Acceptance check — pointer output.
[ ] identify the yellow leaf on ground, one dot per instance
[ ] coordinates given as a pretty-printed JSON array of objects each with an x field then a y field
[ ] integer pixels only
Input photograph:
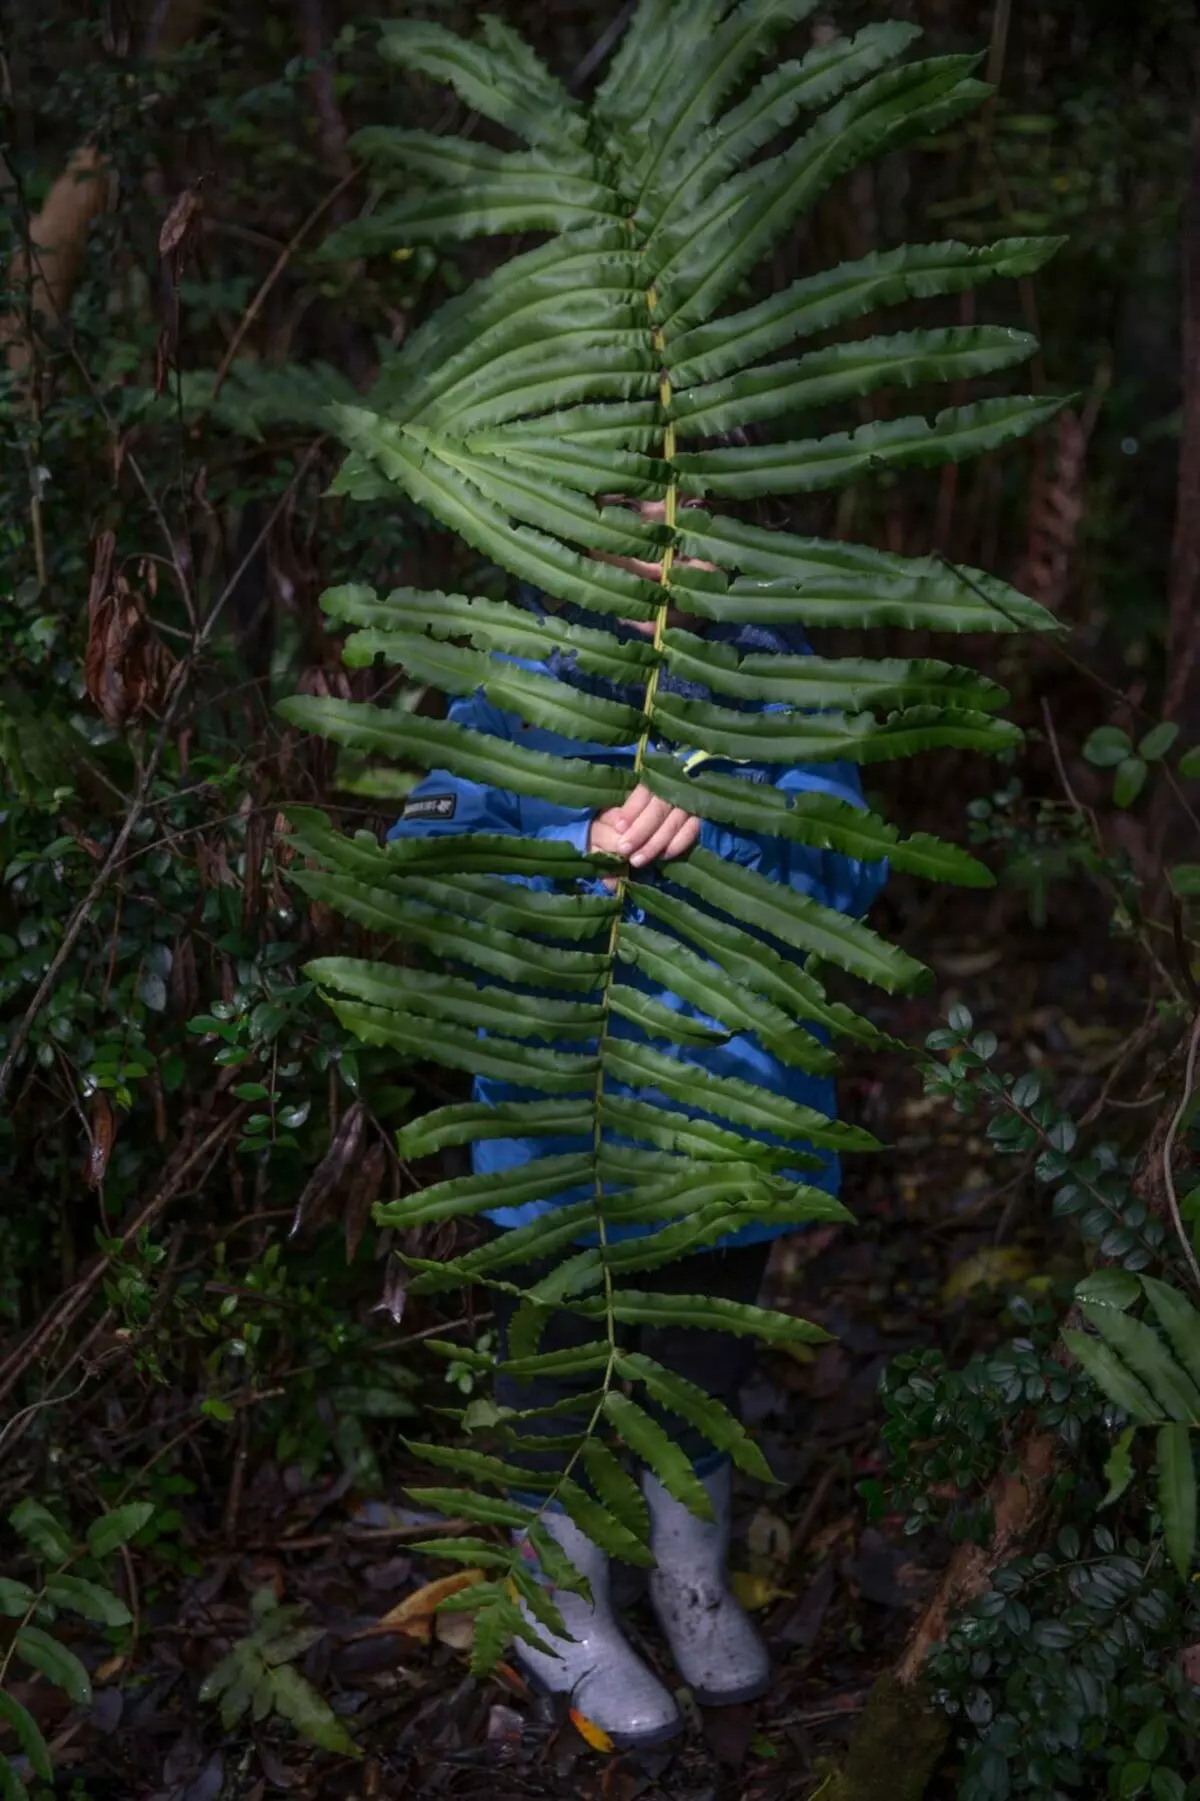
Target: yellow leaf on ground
[
  {"x": 590, "y": 1733},
  {"x": 991, "y": 1268},
  {"x": 757, "y": 1591},
  {"x": 414, "y": 1615}
]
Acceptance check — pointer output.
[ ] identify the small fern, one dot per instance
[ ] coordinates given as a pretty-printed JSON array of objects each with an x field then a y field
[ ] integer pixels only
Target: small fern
[{"x": 603, "y": 363}]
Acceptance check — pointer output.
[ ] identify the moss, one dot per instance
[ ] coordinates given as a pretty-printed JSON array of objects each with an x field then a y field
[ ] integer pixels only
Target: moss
[{"x": 895, "y": 1750}]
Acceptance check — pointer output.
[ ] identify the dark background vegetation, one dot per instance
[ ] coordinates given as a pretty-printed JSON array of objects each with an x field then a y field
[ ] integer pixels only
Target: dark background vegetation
[{"x": 196, "y": 1312}]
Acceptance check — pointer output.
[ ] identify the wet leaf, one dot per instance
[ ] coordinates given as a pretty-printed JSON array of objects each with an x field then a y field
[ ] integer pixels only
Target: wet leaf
[
  {"x": 755, "y": 1591},
  {"x": 589, "y": 1732},
  {"x": 414, "y": 1615},
  {"x": 994, "y": 1267}
]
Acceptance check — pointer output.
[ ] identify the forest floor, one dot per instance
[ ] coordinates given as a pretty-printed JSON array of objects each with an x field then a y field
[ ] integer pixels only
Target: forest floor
[{"x": 942, "y": 1229}]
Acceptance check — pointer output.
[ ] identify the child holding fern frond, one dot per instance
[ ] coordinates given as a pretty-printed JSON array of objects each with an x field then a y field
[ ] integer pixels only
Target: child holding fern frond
[{"x": 715, "y": 1648}]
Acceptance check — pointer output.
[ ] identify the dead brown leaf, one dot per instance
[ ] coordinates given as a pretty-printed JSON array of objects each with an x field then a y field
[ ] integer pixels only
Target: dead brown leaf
[
  {"x": 104, "y": 1132},
  {"x": 413, "y": 1617},
  {"x": 364, "y": 1192},
  {"x": 180, "y": 222},
  {"x": 313, "y": 1207},
  {"x": 126, "y": 667}
]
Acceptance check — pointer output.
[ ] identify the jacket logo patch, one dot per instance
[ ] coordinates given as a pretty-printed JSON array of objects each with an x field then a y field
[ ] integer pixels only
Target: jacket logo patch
[{"x": 431, "y": 806}]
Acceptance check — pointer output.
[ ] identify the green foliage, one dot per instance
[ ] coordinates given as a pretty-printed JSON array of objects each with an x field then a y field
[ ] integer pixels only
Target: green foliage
[
  {"x": 37, "y": 1606},
  {"x": 1063, "y": 1674},
  {"x": 593, "y": 366},
  {"x": 258, "y": 1677}
]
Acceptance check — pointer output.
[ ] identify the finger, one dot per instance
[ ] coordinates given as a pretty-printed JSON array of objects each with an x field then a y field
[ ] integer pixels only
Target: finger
[
  {"x": 628, "y": 811},
  {"x": 628, "y": 819},
  {"x": 658, "y": 841},
  {"x": 603, "y": 837},
  {"x": 683, "y": 840},
  {"x": 649, "y": 572},
  {"x": 648, "y": 822}
]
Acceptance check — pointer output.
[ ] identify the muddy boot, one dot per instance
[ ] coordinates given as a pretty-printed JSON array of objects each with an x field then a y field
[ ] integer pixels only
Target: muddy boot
[
  {"x": 716, "y": 1649},
  {"x": 607, "y": 1682}
]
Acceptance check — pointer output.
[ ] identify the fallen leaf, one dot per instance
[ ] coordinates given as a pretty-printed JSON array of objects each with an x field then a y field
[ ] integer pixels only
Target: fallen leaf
[
  {"x": 455, "y": 1630},
  {"x": 993, "y": 1267},
  {"x": 803, "y": 1621},
  {"x": 589, "y": 1732},
  {"x": 754, "y": 1591},
  {"x": 507, "y": 1676},
  {"x": 414, "y": 1615},
  {"x": 769, "y": 1537},
  {"x": 728, "y": 1731},
  {"x": 505, "y": 1730}
]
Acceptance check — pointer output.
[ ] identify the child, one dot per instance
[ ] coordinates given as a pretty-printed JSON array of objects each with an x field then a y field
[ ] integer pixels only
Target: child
[{"x": 714, "y": 1646}]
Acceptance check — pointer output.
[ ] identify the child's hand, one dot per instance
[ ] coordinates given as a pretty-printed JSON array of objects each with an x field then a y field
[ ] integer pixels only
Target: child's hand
[{"x": 644, "y": 829}]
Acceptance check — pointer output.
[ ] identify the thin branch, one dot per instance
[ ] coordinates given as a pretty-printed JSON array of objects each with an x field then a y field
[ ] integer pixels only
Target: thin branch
[
  {"x": 1107, "y": 888},
  {"x": 602, "y": 46},
  {"x": 67, "y": 1308},
  {"x": 180, "y": 680},
  {"x": 276, "y": 270},
  {"x": 1189, "y": 1088}
]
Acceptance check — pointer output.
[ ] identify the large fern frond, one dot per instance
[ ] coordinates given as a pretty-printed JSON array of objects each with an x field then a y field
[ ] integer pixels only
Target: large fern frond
[{"x": 598, "y": 364}]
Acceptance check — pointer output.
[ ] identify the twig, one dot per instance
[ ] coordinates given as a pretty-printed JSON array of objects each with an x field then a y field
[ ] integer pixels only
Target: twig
[
  {"x": 1089, "y": 818},
  {"x": 808, "y": 1518},
  {"x": 1093, "y": 676},
  {"x": 20, "y": 1420},
  {"x": 237, "y": 1479},
  {"x": 180, "y": 678},
  {"x": 601, "y": 47},
  {"x": 1189, "y": 1085},
  {"x": 67, "y": 1308},
  {"x": 1132, "y": 1048},
  {"x": 276, "y": 270},
  {"x": 133, "y": 1602}
]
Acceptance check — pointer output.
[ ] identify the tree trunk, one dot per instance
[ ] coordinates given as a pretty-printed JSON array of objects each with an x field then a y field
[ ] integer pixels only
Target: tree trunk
[{"x": 900, "y": 1739}]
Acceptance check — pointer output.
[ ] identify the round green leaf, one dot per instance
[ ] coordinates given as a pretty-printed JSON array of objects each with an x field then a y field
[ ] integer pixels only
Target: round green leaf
[
  {"x": 1158, "y": 741},
  {"x": 1151, "y": 1741},
  {"x": 1129, "y": 781},
  {"x": 1109, "y": 1288},
  {"x": 1107, "y": 746}
]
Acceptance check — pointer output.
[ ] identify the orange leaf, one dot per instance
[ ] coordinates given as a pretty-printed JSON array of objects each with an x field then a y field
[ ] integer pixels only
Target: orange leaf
[
  {"x": 589, "y": 1732},
  {"x": 414, "y": 1615}
]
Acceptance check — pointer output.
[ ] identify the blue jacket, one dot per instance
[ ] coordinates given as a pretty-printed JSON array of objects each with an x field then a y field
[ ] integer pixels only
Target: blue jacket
[{"x": 443, "y": 803}]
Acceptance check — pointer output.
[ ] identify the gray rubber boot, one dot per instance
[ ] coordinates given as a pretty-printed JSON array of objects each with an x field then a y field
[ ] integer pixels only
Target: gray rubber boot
[
  {"x": 716, "y": 1649},
  {"x": 607, "y": 1681}
]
